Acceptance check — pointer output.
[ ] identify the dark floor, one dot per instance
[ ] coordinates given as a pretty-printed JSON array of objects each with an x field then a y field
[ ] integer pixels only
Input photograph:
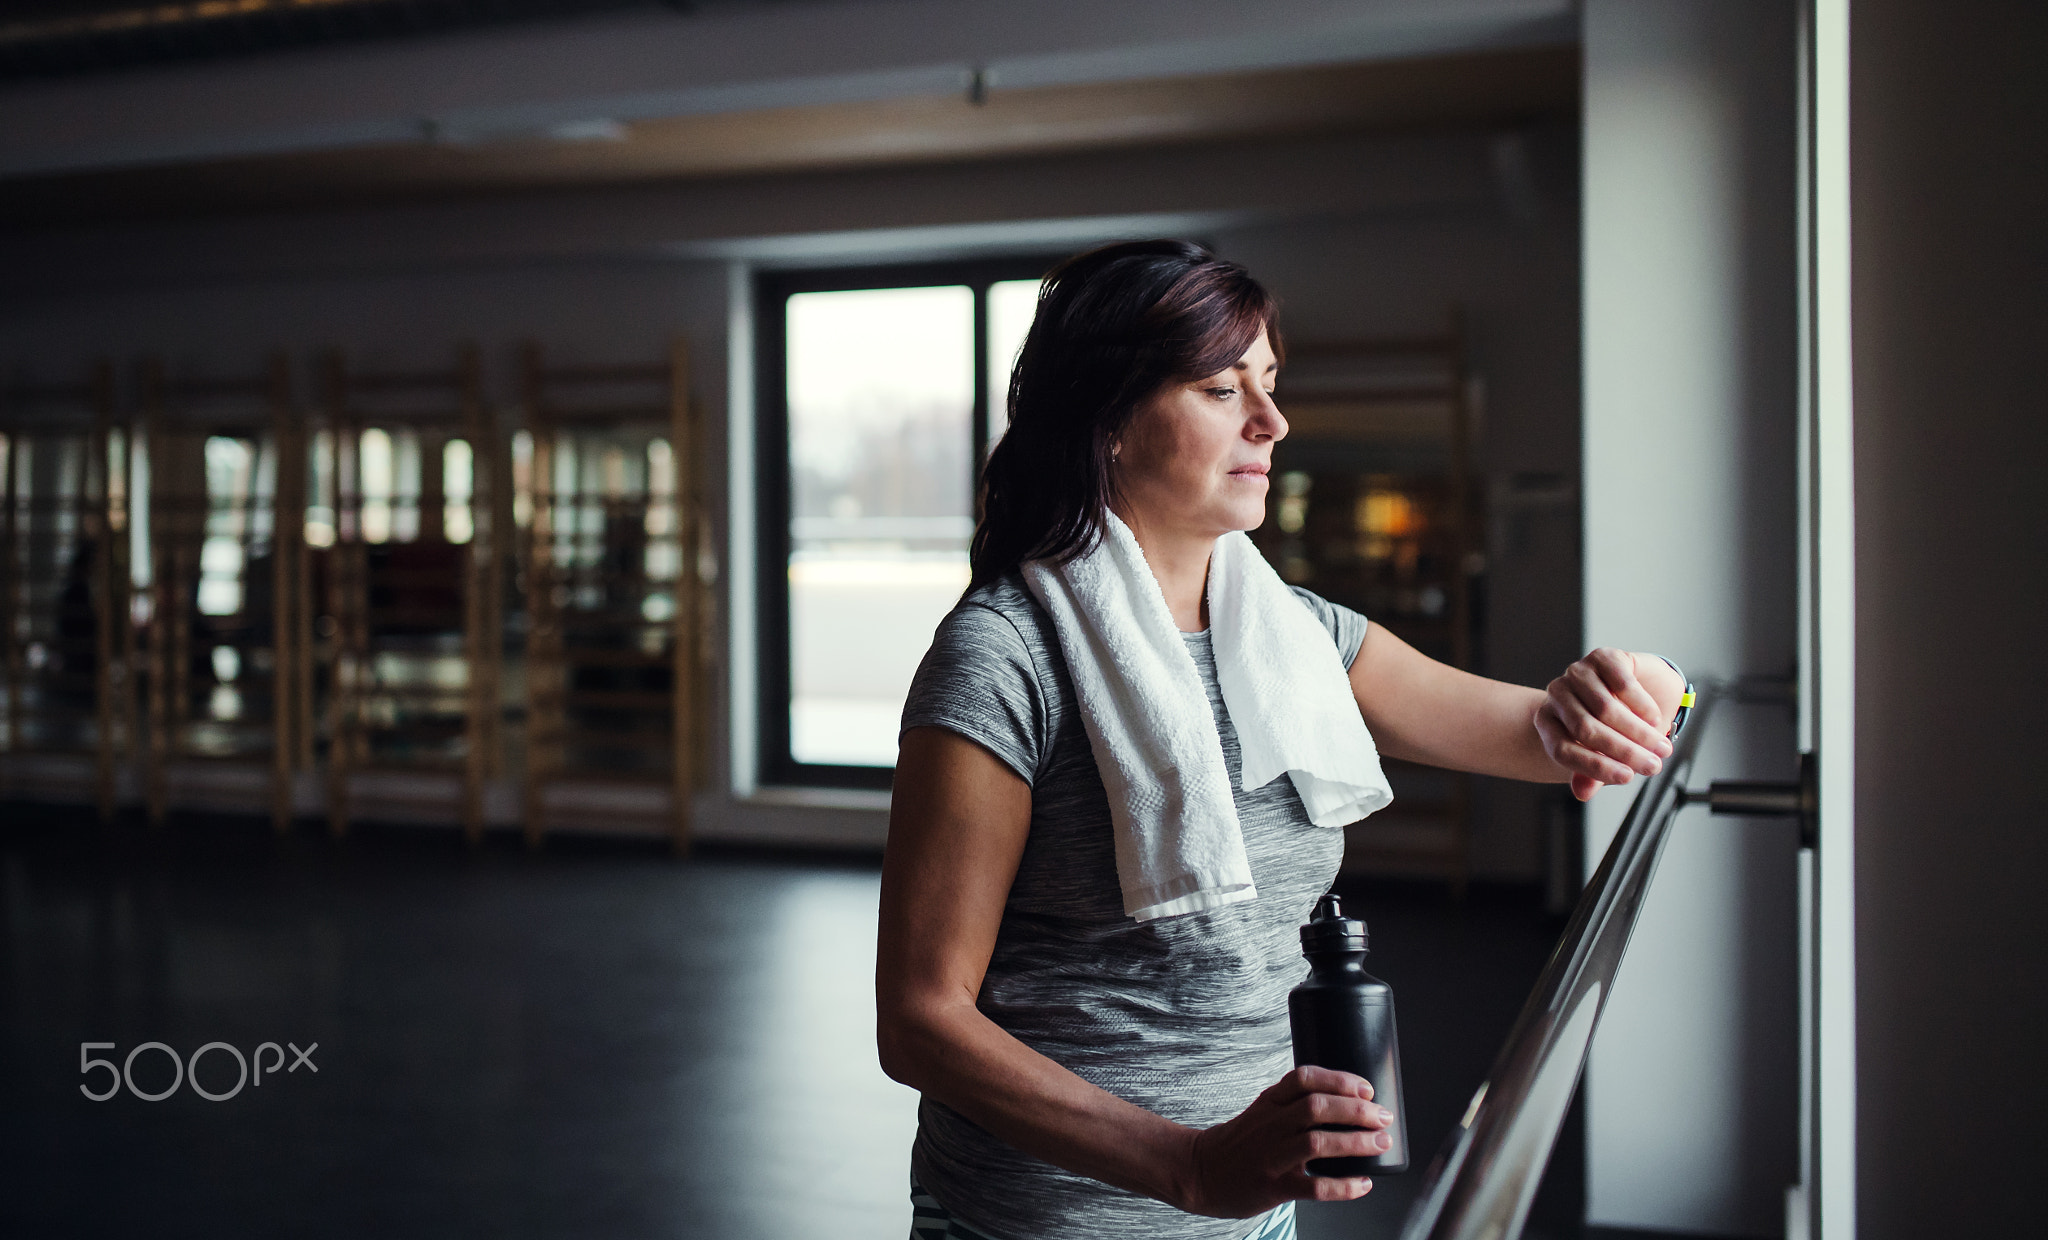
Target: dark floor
[{"x": 590, "y": 1041}]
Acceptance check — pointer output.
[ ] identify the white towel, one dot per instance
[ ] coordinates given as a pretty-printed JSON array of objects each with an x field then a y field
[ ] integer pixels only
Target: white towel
[{"x": 1179, "y": 848}]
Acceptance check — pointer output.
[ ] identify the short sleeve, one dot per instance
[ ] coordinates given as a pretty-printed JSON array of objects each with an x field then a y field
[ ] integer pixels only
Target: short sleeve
[
  {"x": 978, "y": 680},
  {"x": 1347, "y": 627}
]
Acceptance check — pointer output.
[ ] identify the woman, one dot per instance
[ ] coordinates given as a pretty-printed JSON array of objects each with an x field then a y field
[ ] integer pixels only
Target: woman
[{"x": 1090, "y": 1067}]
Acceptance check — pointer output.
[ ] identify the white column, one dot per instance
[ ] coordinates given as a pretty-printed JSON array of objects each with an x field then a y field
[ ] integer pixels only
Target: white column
[
  {"x": 1831, "y": 1203},
  {"x": 1691, "y": 550}
]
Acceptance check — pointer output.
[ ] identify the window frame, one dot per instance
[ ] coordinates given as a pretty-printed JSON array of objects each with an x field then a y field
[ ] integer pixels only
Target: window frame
[{"x": 776, "y": 766}]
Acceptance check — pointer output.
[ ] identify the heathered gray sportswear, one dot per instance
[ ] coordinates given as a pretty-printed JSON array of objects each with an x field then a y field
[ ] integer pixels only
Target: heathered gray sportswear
[{"x": 1185, "y": 1016}]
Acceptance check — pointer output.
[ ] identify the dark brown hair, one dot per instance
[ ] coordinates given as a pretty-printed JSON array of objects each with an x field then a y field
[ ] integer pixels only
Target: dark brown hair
[{"x": 1114, "y": 326}]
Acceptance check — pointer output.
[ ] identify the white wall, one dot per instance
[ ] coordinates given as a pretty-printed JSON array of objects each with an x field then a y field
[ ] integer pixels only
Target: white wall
[
  {"x": 1690, "y": 418},
  {"x": 1356, "y": 234}
]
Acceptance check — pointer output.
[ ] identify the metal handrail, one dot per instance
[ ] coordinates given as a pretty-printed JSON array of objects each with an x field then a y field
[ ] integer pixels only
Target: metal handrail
[{"x": 1482, "y": 1183}]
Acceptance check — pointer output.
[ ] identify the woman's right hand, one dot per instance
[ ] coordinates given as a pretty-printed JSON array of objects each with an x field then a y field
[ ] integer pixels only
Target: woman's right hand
[{"x": 1250, "y": 1164}]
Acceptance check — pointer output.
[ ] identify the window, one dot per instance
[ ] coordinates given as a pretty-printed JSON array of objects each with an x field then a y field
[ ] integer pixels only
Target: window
[{"x": 880, "y": 391}]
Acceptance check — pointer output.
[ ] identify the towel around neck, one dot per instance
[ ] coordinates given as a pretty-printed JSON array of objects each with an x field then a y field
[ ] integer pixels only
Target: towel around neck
[{"x": 1179, "y": 848}]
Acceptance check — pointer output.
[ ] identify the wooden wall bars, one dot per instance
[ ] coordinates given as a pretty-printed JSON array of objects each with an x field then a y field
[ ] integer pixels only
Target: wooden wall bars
[
  {"x": 616, "y": 606},
  {"x": 376, "y": 592},
  {"x": 409, "y": 573},
  {"x": 65, "y": 641},
  {"x": 227, "y": 680}
]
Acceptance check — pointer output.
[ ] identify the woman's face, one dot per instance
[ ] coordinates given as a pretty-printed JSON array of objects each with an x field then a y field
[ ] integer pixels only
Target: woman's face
[{"x": 1194, "y": 459}]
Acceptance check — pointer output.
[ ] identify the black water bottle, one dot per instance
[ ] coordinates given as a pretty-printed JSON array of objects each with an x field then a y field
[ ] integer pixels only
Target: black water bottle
[{"x": 1343, "y": 1018}]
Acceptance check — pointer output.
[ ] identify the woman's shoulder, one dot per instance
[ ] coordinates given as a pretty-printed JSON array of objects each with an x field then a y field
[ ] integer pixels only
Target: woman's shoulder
[
  {"x": 1005, "y": 593},
  {"x": 996, "y": 608},
  {"x": 996, "y": 625},
  {"x": 986, "y": 676},
  {"x": 1346, "y": 627}
]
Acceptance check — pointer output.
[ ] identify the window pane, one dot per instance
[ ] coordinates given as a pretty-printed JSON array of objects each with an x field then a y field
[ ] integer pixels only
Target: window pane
[
  {"x": 1011, "y": 303},
  {"x": 881, "y": 397},
  {"x": 375, "y": 448},
  {"x": 458, "y": 488},
  {"x": 230, "y": 478},
  {"x": 405, "y": 485}
]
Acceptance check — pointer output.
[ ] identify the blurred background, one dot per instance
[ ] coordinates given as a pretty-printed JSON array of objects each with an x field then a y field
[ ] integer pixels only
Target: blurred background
[{"x": 477, "y": 478}]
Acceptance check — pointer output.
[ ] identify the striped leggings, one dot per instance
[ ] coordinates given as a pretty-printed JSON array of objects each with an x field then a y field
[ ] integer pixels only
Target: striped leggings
[{"x": 931, "y": 1221}]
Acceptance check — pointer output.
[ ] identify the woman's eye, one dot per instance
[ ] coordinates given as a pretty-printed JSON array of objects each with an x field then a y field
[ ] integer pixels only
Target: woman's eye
[{"x": 1223, "y": 393}]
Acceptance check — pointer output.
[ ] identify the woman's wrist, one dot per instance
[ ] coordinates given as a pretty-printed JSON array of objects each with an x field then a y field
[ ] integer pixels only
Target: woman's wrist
[{"x": 1662, "y": 679}]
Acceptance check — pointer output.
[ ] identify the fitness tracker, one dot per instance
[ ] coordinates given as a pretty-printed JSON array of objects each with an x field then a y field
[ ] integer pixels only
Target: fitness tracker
[{"x": 1686, "y": 701}]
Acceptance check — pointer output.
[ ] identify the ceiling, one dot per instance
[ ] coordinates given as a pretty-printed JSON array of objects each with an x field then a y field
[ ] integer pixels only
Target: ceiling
[
  {"x": 1489, "y": 88},
  {"x": 64, "y": 38}
]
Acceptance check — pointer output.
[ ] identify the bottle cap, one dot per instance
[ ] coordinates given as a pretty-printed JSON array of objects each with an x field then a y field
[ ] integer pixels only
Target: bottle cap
[{"x": 1329, "y": 930}]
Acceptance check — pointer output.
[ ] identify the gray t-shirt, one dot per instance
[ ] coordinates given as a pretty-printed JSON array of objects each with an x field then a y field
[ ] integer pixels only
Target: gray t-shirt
[{"x": 1185, "y": 1016}]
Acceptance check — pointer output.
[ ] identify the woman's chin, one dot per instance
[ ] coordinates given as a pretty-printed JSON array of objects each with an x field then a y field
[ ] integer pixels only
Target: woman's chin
[
  {"x": 1250, "y": 515},
  {"x": 1243, "y": 522},
  {"x": 1211, "y": 520}
]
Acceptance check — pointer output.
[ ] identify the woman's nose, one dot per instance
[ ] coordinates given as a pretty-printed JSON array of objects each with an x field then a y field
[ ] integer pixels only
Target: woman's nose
[{"x": 1267, "y": 422}]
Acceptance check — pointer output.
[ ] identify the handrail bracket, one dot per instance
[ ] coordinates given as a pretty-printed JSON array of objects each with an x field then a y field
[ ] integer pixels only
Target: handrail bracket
[{"x": 1799, "y": 799}]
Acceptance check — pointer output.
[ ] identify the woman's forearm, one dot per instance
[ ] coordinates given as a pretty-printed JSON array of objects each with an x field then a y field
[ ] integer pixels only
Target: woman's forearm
[
  {"x": 1475, "y": 724},
  {"x": 954, "y": 1054},
  {"x": 1424, "y": 711}
]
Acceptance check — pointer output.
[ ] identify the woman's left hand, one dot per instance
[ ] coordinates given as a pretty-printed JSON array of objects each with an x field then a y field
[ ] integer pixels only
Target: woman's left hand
[{"x": 1604, "y": 720}]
